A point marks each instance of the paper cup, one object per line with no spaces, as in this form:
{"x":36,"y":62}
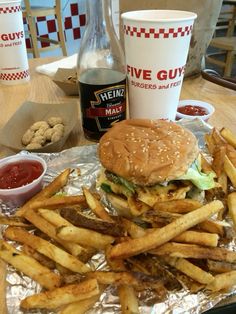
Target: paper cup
{"x":14,"y":68}
{"x":156,"y":49}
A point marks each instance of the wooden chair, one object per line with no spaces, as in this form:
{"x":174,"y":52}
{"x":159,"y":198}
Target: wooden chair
{"x":226,"y":20}
{"x":215,"y":77}
{"x":31,"y":13}
{"x":226,"y":46}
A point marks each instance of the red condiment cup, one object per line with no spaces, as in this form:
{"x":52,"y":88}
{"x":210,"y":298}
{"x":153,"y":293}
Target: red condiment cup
{"x":195,"y":103}
{"x":15,"y":197}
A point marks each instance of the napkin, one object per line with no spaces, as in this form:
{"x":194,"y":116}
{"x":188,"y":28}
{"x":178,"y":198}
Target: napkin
{"x":50,"y":69}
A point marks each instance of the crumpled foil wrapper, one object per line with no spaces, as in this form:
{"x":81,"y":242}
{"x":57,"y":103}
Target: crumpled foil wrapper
{"x":85,"y":158}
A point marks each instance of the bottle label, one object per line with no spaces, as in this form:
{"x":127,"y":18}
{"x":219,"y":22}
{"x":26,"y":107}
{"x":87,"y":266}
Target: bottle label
{"x":102,"y":105}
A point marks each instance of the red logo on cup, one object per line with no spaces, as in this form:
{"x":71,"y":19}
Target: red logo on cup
{"x":12,"y":36}
{"x":159,"y":32}
{"x":7,"y":10}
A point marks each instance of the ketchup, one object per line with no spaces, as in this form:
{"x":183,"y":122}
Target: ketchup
{"x":20,"y":173}
{"x":193,"y":110}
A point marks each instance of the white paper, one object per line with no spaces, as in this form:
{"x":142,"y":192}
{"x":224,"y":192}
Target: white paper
{"x":50,"y":69}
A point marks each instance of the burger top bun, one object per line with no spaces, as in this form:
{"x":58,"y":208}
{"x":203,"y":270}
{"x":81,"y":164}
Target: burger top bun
{"x":146,"y":152}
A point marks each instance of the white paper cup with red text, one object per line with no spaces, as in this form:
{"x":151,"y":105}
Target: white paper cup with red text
{"x":156,"y":48}
{"x":14,"y":68}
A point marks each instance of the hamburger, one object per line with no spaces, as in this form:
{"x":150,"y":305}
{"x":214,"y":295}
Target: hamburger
{"x":150,"y":161}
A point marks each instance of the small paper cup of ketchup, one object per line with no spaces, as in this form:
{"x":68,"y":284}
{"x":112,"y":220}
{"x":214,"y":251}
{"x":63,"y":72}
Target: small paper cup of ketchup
{"x":192,"y":109}
{"x":21,"y":177}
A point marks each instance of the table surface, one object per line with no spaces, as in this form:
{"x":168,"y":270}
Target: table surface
{"x":42,"y":89}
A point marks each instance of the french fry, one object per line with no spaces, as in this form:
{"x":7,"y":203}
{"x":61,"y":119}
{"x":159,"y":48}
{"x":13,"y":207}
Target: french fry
{"x":223,"y":281}
{"x":80,"y":307}
{"x":165,"y":234}
{"x":128,"y":300}
{"x":212,"y":226}
{"x":53,"y":187}
{"x":127,"y":295}
{"x":217,"y":138}
{"x":144,"y":263}
{"x":132,"y":228}
{"x":231,"y":201}
{"x":64,"y":272}
{"x":96,"y":206}
{"x":210,"y":143}
{"x":192,"y":285}
{"x":218,"y":160}
{"x":58,"y":202}
{"x":114,"y":278}
{"x":160,"y":218}
{"x":163,"y":193}
{"x":44,"y":260}
{"x":120,"y":204}
{"x":114,"y":264}
{"x":84,"y":253}
{"x":128,"y":278}
{"x":181,"y":206}
{"x":43,"y":225}
{"x":29,"y":266}
{"x":85,"y":221}
{"x":223,"y":181}
{"x":189,"y":269}
{"x":53,"y":217}
{"x":220,"y":266}
{"x":184,"y":250}
{"x":230,"y":171}
{"x":136,"y":206}
{"x":84,"y":237}
{"x":228,"y":136}
{"x":205,"y":165}
{"x":188,"y":236}
{"x":13,"y":221}
{"x":231,"y":153}
{"x":200,"y":238}
{"x":61,"y":296}
{"x":46,"y":248}
{"x":48,"y":191}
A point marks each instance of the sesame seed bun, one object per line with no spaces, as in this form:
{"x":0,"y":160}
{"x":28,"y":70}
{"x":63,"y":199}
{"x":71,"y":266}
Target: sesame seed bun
{"x":146,"y":152}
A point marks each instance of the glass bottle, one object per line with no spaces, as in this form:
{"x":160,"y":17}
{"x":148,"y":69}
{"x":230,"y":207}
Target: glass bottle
{"x":101,"y":72}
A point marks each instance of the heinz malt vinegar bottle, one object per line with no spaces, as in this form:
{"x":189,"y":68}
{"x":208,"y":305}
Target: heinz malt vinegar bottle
{"x":101,"y":72}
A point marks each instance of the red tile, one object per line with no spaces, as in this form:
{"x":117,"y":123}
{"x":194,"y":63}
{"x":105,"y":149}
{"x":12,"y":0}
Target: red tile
{"x":28,"y":43}
{"x":45,"y":44}
{"x":74,"y":9}
{"x":82,"y":19}
{"x":76,"y":33}
{"x":51,"y":24}
{"x":68,"y":23}
{"x":41,"y":18}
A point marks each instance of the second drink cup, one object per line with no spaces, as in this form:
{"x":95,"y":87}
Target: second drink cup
{"x":14,"y":68}
{"x":156,"y":49}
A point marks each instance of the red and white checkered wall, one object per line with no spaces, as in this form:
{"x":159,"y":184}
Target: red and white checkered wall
{"x":74,"y":21}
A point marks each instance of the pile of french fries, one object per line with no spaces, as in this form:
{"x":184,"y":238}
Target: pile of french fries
{"x":52,"y":239}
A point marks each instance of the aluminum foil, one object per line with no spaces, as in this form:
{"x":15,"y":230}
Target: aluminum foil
{"x":85,"y":158}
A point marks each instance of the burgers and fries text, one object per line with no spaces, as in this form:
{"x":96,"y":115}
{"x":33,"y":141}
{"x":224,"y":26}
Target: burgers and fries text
{"x":176,"y":212}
